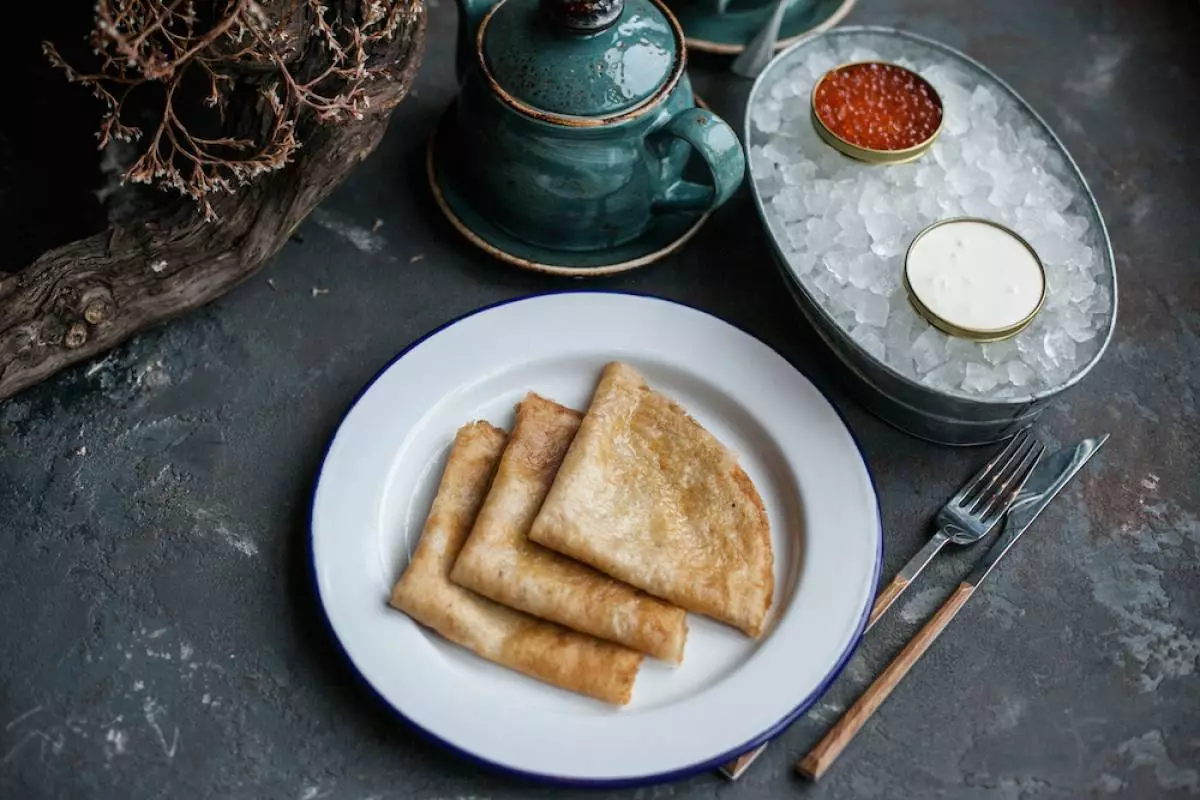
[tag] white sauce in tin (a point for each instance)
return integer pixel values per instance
(975, 276)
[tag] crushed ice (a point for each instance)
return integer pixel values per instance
(844, 226)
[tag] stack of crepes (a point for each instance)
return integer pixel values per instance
(576, 544)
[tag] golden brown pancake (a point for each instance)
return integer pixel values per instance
(540, 649)
(648, 496)
(499, 562)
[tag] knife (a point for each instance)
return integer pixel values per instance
(1049, 477)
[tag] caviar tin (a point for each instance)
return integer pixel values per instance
(867, 154)
(948, 326)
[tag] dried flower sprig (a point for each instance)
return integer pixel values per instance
(291, 53)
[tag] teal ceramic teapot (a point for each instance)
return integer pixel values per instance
(576, 118)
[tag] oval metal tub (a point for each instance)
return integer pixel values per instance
(904, 402)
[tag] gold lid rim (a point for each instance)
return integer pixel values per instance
(981, 335)
(871, 155)
(678, 69)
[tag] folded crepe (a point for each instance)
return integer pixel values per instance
(647, 495)
(499, 562)
(537, 648)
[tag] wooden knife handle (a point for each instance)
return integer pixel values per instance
(883, 601)
(826, 751)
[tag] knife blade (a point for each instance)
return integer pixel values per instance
(1052, 473)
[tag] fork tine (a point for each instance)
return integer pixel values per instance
(999, 477)
(1005, 494)
(970, 491)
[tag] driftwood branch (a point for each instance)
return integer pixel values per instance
(90, 295)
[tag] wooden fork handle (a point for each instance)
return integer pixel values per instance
(826, 751)
(885, 599)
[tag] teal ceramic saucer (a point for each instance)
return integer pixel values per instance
(668, 234)
(728, 33)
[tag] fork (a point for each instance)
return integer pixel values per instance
(969, 515)
(966, 518)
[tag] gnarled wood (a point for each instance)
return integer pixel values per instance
(84, 298)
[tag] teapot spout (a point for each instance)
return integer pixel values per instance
(470, 14)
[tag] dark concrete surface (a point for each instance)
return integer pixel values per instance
(160, 635)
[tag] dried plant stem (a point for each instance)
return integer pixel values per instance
(84, 298)
(235, 45)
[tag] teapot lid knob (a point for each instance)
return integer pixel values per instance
(582, 16)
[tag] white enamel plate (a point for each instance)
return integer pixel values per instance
(731, 693)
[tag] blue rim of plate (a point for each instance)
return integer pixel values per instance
(727, 34)
(613, 783)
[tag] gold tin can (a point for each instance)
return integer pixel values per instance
(948, 327)
(866, 154)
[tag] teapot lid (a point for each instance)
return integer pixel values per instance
(580, 62)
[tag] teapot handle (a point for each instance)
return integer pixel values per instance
(718, 145)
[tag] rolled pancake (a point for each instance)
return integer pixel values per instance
(499, 562)
(537, 648)
(647, 495)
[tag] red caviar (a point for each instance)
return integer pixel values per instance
(878, 106)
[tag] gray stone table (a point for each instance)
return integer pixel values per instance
(159, 633)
